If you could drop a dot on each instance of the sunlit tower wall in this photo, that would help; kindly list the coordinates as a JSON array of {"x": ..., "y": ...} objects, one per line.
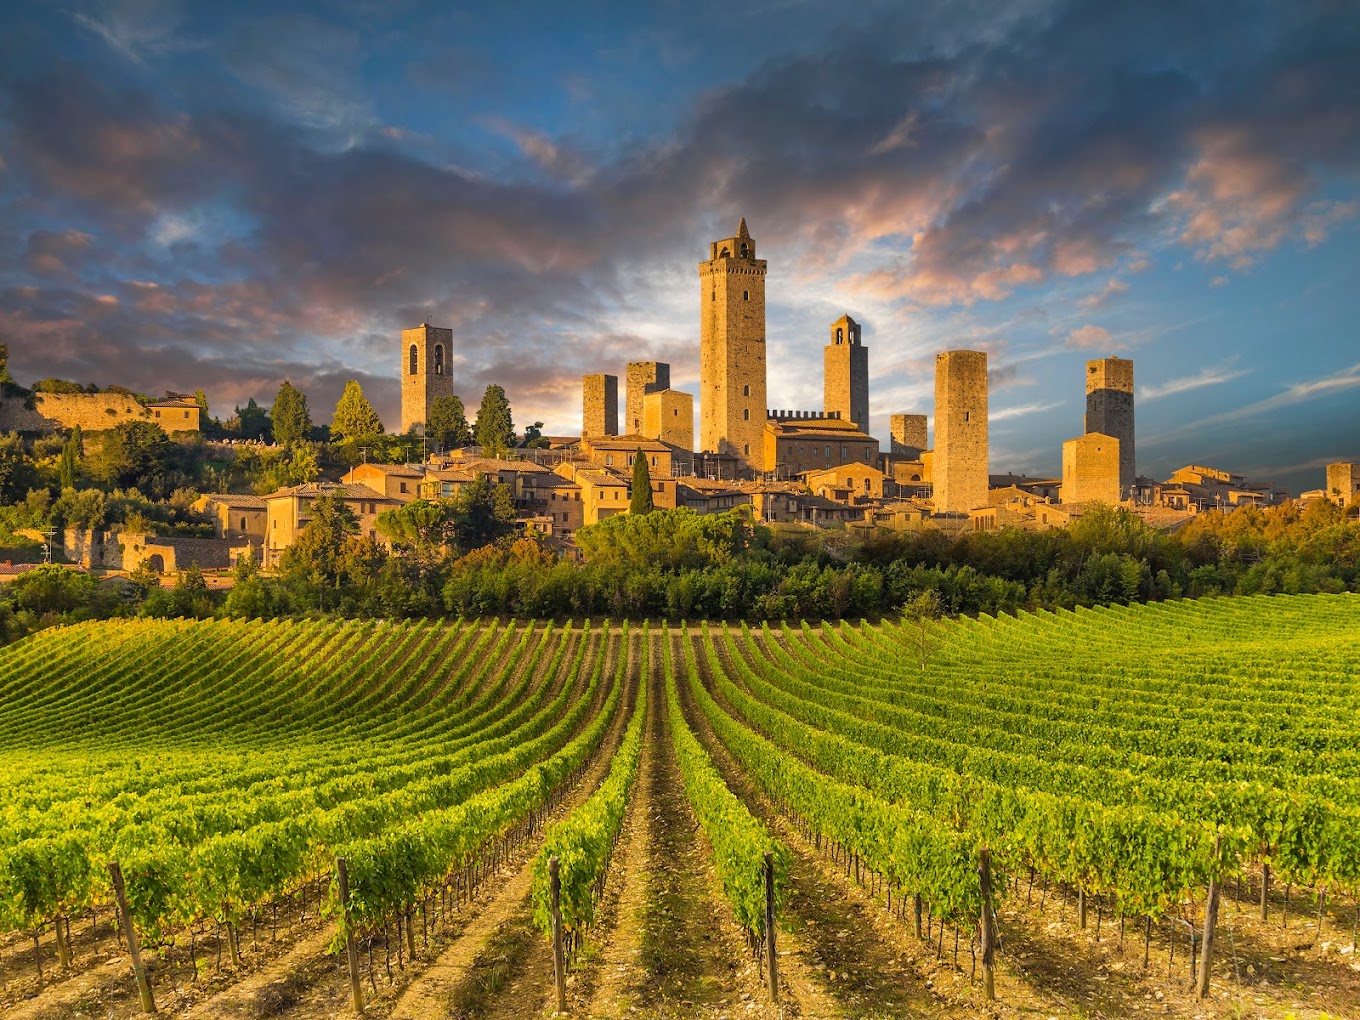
[
  {"x": 959, "y": 471},
  {"x": 425, "y": 372},
  {"x": 908, "y": 435},
  {"x": 599, "y": 405},
  {"x": 1109, "y": 410},
  {"x": 644, "y": 377},
  {"x": 732, "y": 351},
  {"x": 845, "y": 373},
  {"x": 1090, "y": 469},
  {"x": 668, "y": 415}
]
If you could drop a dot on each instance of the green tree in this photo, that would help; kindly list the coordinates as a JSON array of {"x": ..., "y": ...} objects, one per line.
[
  {"x": 5, "y": 377},
  {"x": 18, "y": 473},
  {"x": 495, "y": 430},
  {"x": 483, "y": 512},
  {"x": 71, "y": 453},
  {"x": 53, "y": 589},
  {"x": 292, "y": 420},
  {"x": 533, "y": 437},
  {"x": 922, "y": 610},
  {"x": 316, "y": 556},
  {"x": 252, "y": 422},
  {"x": 447, "y": 424},
  {"x": 249, "y": 598},
  {"x": 424, "y": 525},
  {"x": 642, "y": 486},
  {"x": 354, "y": 415},
  {"x": 139, "y": 455}
]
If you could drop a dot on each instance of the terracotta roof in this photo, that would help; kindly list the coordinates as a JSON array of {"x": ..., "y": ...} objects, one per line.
[
  {"x": 396, "y": 470},
  {"x": 236, "y": 500},
  {"x": 345, "y": 490}
]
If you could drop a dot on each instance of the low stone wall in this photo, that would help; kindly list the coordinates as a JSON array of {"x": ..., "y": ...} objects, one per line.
[{"x": 93, "y": 412}]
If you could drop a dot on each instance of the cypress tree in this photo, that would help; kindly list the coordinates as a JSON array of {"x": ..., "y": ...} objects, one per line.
[
  {"x": 494, "y": 431},
  {"x": 354, "y": 415},
  {"x": 292, "y": 420},
  {"x": 642, "y": 486}
]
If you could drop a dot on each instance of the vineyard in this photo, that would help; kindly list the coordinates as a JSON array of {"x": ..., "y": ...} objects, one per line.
[{"x": 1149, "y": 809}]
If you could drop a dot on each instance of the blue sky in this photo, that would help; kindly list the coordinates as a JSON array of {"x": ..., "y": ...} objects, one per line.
[{"x": 225, "y": 195}]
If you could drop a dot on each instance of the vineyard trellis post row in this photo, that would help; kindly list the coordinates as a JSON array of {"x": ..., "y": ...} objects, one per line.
[
  {"x": 135, "y": 950},
  {"x": 988, "y": 935},
  {"x": 356, "y": 988},
  {"x": 771, "y": 953},
  {"x": 1210, "y": 920},
  {"x": 559, "y": 958}
]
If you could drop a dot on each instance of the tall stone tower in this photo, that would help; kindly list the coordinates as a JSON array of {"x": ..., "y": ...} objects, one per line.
[
  {"x": 599, "y": 405},
  {"x": 845, "y": 373},
  {"x": 959, "y": 471},
  {"x": 908, "y": 435},
  {"x": 644, "y": 377},
  {"x": 732, "y": 350},
  {"x": 1109, "y": 410},
  {"x": 425, "y": 373},
  {"x": 1090, "y": 466}
]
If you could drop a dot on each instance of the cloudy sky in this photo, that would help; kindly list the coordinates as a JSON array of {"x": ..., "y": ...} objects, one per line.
[{"x": 224, "y": 195}]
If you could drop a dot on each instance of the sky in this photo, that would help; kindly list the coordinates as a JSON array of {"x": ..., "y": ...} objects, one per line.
[{"x": 227, "y": 195}]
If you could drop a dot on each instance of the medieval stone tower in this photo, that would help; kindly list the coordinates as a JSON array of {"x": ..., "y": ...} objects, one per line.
[
  {"x": 845, "y": 373},
  {"x": 599, "y": 405},
  {"x": 908, "y": 435},
  {"x": 644, "y": 377},
  {"x": 732, "y": 350},
  {"x": 1109, "y": 409},
  {"x": 959, "y": 472},
  {"x": 425, "y": 374}
]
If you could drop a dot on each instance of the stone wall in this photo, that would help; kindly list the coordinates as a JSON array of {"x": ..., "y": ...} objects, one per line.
[
  {"x": 845, "y": 373},
  {"x": 1091, "y": 469},
  {"x": 426, "y": 376},
  {"x": 1343, "y": 483},
  {"x": 644, "y": 377},
  {"x": 600, "y": 405},
  {"x": 668, "y": 415},
  {"x": 959, "y": 471},
  {"x": 93, "y": 412},
  {"x": 908, "y": 435}
]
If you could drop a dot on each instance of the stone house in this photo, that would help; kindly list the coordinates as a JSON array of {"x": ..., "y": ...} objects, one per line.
[{"x": 289, "y": 509}]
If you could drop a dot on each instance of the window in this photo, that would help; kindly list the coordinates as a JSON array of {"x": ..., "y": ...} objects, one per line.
[
  {"x": 744, "y": 249},
  {"x": 867, "y": 454},
  {"x": 403, "y": 486},
  {"x": 713, "y": 296},
  {"x": 746, "y": 449},
  {"x": 609, "y": 460},
  {"x": 438, "y": 359},
  {"x": 414, "y": 358},
  {"x": 653, "y": 460},
  {"x": 840, "y": 335},
  {"x": 243, "y": 524},
  {"x": 843, "y": 453},
  {"x": 966, "y": 414},
  {"x": 746, "y": 391},
  {"x": 746, "y": 414},
  {"x": 746, "y": 295}
]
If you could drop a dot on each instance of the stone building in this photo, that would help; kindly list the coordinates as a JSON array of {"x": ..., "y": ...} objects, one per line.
[
  {"x": 644, "y": 377},
  {"x": 289, "y": 509},
  {"x": 732, "y": 350},
  {"x": 400, "y": 481},
  {"x": 668, "y": 416},
  {"x": 845, "y": 374},
  {"x": 847, "y": 482},
  {"x": 96, "y": 412},
  {"x": 237, "y": 517},
  {"x": 1343, "y": 483},
  {"x": 599, "y": 405},
  {"x": 1090, "y": 469},
  {"x": 959, "y": 470},
  {"x": 908, "y": 436},
  {"x": 1109, "y": 409},
  {"x": 616, "y": 454},
  {"x": 426, "y": 352},
  {"x": 795, "y": 442}
]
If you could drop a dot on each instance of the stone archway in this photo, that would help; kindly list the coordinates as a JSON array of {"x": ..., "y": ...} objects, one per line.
[{"x": 156, "y": 562}]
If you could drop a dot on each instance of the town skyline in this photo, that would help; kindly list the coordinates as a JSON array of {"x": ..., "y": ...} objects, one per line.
[{"x": 195, "y": 201}]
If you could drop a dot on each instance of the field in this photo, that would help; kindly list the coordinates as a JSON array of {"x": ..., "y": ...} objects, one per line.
[{"x": 1138, "y": 781}]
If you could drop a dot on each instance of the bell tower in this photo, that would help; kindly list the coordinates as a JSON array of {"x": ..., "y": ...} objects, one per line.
[
  {"x": 732, "y": 350},
  {"x": 426, "y": 352}
]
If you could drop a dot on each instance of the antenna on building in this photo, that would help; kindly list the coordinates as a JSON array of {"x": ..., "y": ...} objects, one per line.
[{"x": 49, "y": 532}]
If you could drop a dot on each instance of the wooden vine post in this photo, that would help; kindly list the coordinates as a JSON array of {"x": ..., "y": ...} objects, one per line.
[
  {"x": 987, "y": 934},
  {"x": 559, "y": 957},
  {"x": 356, "y": 988},
  {"x": 771, "y": 953},
  {"x": 134, "y": 948},
  {"x": 1210, "y": 920}
]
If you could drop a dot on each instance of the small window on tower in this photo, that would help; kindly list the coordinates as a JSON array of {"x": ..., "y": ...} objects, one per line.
[
  {"x": 743, "y": 249},
  {"x": 746, "y": 414},
  {"x": 713, "y": 296},
  {"x": 746, "y": 449},
  {"x": 438, "y": 359},
  {"x": 746, "y": 295},
  {"x": 414, "y": 357},
  {"x": 966, "y": 415},
  {"x": 840, "y": 335}
]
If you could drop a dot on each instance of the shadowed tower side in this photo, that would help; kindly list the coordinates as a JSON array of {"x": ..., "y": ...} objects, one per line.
[
  {"x": 1109, "y": 410},
  {"x": 732, "y": 350},
  {"x": 426, "y": 352},
  {"x": 845, "y": 373},
  {"x": 959, "y": 471},
  {"x": 599, "y": 405},
  {"x": 644, "y": 377}
]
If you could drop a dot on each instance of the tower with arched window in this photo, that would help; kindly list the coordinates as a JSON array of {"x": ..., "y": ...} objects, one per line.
[
  {"x": 426, "y": 355},
  {"x": 845, "y": 374},
  {"x": 732, "y": 406}
]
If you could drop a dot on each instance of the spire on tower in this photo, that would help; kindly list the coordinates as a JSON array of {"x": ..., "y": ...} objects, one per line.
[{"x": 741, "y": 230}]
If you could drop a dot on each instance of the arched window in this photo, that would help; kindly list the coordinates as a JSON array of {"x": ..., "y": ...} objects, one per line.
[
  {"x": 746, "y": 415},
  {"x": 746, "y": 391},
  {"x": 243, "y": 524},
  {"x": 724, "y": 254},
  {"x": 414, "y": 357},
  {"x": 840, "y": 335},
  {"x": 746, "y": 295},
  {"x": 438, "y": 359},
  {"x": 743, "y": 249}
]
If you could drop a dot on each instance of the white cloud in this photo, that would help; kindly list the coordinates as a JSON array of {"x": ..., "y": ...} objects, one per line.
[
  {"x": 1020, "y": 410},
  {"x": 1298, "y": 393},
  {"x": 1088, "y": 336},
  {"x": 1210, "y": 375}
]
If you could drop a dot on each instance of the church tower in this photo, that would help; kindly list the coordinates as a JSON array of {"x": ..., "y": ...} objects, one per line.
[
  {"x": 845, "y": 374},
  {"x": 425, "y": 372},
  {"x": 732, "y": 350}
]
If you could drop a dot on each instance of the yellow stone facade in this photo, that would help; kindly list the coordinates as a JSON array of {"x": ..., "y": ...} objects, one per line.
[
  {"x": 426, "y": 371},
  {"x": 668, "y": 416},
  {"x": 732, "y": 350},
  {"x": 599, "y": 405},
  {"x": 644, "y": 377},
  {"x": 1091, "y": 469},
  {"x": 845, "y": 374},
  {"x": 959, "y": 472}
]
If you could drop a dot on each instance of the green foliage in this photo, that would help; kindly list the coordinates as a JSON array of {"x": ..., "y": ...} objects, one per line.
[
  {"x": 354, "y": 415},
  {"x": 139, "y": 454},
  {"x": 291, "y": 419},
  {"x": 53, "y": 589},
  {"x": 62, "y": 386},
  {"x": 315, "y": 557},
  {"x": 18, "y": 473},
  {"x": 641, "y": 502},
  {"x": 669, "y": 539},
  {"x": 71, "y": 454},
  {"x": 495, "y": 430},
  {"x": 251, "y": 422},
  {"x": 447, "y": 425}
]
